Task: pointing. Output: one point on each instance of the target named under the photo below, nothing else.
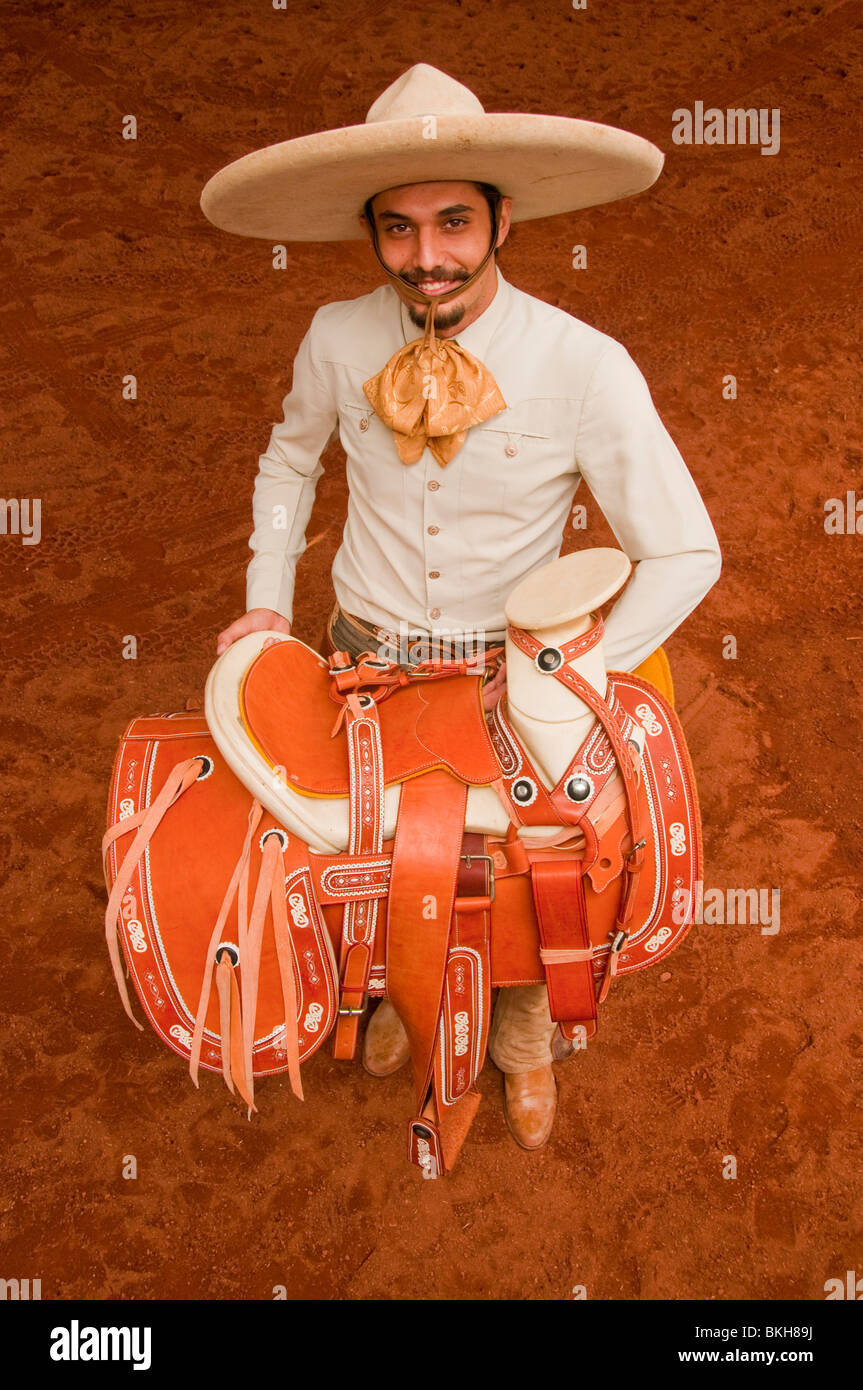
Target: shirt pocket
(357, 415)
(366, 440)
(521, 430)
(520, 458)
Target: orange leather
(422, 892)
(185, 842)
(366, 837)
(429, 724)
(563, 930)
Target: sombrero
(426, 127)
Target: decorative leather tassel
(284, 952)
(179, 779)
(231, 1026)
(255, 813)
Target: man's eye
(397, 227)
(456, 222)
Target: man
(464, 446)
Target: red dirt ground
(734, 263)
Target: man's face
(436, 234)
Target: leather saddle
(339, 831)
(289, 703)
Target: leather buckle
(345, 1012)
(469, 858)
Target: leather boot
(385, 1046)
(530, 1100)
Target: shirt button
(433, 486)
(433, 530)
(364, 423)
(434, 574)
(435, 613)
(510, 451)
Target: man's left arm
(644, 489)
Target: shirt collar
(476, 338)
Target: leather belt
(346, 632)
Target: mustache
(437, 272)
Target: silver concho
(279, 834)
(523, 791)
(549, 660)
(578, 788)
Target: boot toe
(530, 1102)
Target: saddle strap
(466, 1011)
(436, 1137)
(365, 759)
(237, 888)
(182, 776)
(422, 896)
(565, 950)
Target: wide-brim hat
(426, 127)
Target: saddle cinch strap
(365, 755)
(438, 963)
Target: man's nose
(427, 248)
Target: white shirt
(440, 548)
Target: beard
(444, 317)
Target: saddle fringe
(237, 999)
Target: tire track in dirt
(127, 93)
(23, 333)
(783, 61)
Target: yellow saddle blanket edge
(657, 670)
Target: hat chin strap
(418, 295)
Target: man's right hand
(256, 620)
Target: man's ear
(366, 226)
(505, 221)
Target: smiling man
(412, 226)
(464, 444)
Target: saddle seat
(284, 751)
(435, 724)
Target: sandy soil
(733, 263)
